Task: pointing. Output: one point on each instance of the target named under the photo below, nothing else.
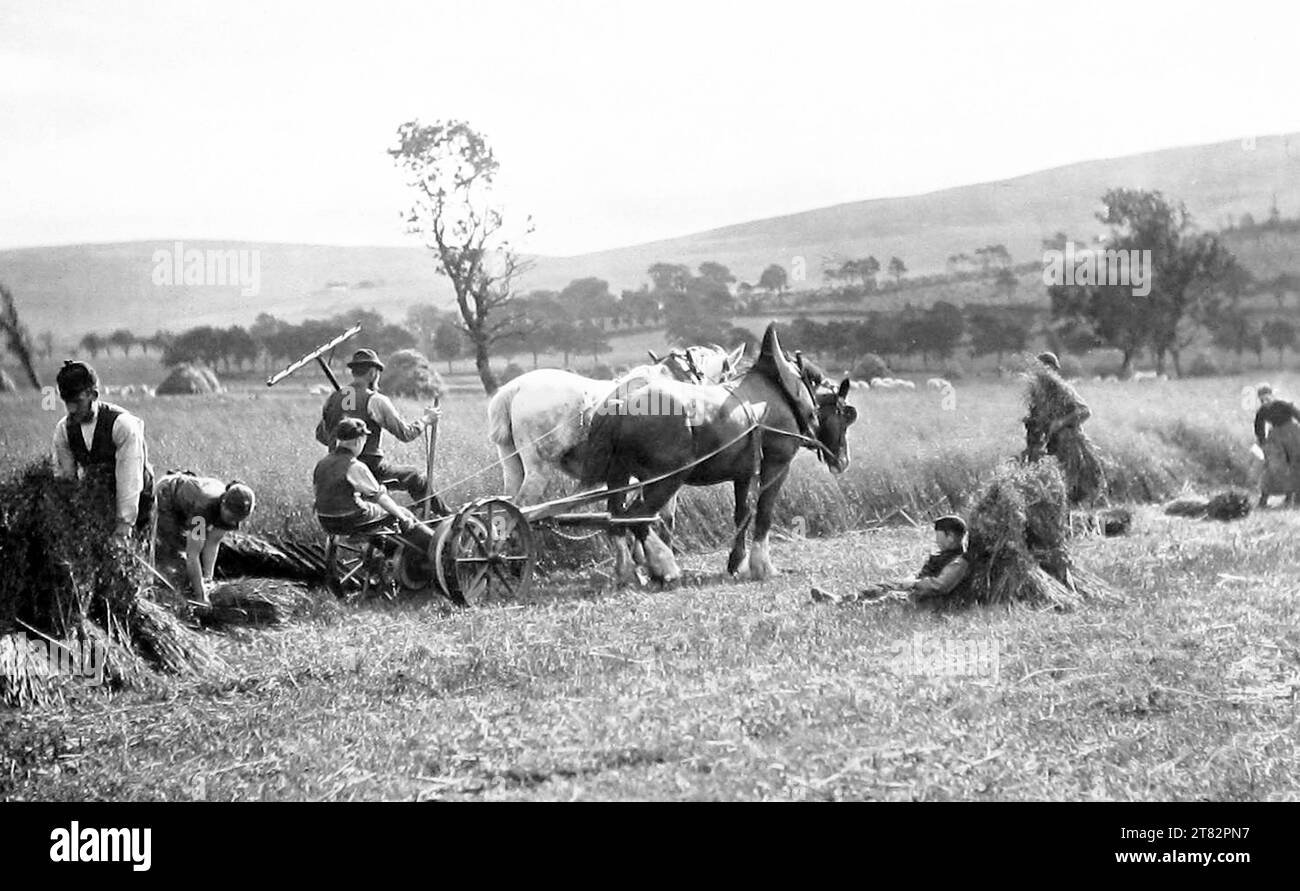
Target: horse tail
(501, 432)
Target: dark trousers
(410, 480)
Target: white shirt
(128, 438)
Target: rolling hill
(103, 286)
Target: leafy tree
(713, 297)
(716, 272)
(959, 263)
(1005, 281)
(91, 343)
(943, 328)
(1071, 335)
(123, 339)
(1282, 284)
(422, 320)
(1280, 334)
(1104, 316)
(161, 340)
(370, 320)
(451, 168)
(263, 331)
(863, 271)
(238, 346)
(897, 268)
(688, 322)
(588, 298)
(565, 337)
(880, 333)
(994, 332)
(1183, 265)
(669, 276)
(640, 306)
(390, 338)
(448, 342)
(734, 335)
(774, 279)
(593, 339)
(202, 344)
(992, 255)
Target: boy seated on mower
(942, 573)
(350, 501)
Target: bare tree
(451, 168)
(17, 335)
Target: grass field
(722, 688)
(909, 451)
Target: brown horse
(675, 434)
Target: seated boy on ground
(942, 573)
(349, 500)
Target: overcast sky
(615, 123)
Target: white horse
(538, 420)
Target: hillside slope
(100, 287)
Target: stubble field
(725, 688)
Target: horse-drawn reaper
(700, 434)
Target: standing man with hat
(104, 443)
(194, 513)
(362, 401)
(1054, 426)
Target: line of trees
(934, 334)
(123, 340)
(272, 341)
(1197, 290)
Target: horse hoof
(735, 562)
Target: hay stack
(188, 379)
(1019, 527)
(257, 602)
(23, 680)
(1232, 504)
(62, 574)
(409, 373)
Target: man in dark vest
(942, 573)
(104, 443)
(362, 400)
